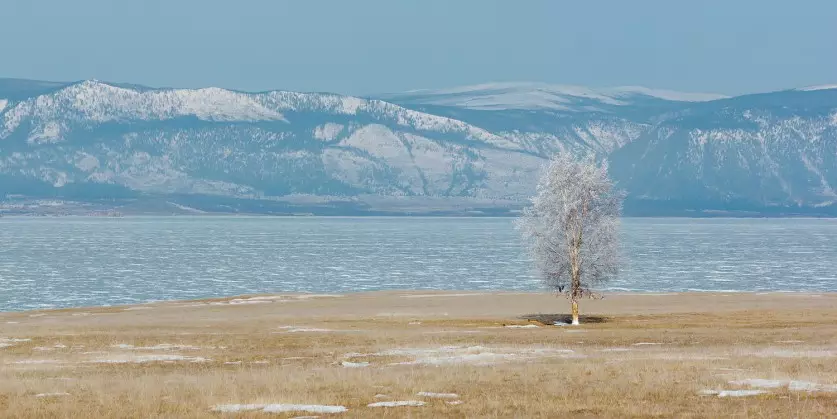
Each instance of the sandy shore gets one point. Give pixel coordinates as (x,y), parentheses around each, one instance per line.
(427,354)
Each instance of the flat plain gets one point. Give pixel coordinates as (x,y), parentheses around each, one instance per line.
(426,354)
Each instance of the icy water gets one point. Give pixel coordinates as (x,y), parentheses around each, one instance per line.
(64,262)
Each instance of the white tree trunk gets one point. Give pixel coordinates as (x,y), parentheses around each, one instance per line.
(575,313)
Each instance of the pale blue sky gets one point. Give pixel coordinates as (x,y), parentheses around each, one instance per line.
(372,46)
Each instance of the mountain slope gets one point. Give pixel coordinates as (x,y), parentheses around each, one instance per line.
(220,150)
(777,149)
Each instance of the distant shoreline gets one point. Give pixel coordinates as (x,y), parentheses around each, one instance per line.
(374,206)
(446,295)
(399,215)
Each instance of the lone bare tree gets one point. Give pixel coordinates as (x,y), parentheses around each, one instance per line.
(572,226)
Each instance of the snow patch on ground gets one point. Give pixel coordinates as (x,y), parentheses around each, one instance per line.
(348,364)
(310,296)
(385,314)
(520,326)
(278,408)
(401,403)
(455,402)
(311,408)
(36,361)
(8,342)
(646,343)
(784,353)
(473,355)
(295,329)
(732,393)
(141,359)
(687,357)
(485,358)
(264,299)
(159,347)
(52,394)
(437,395)
(792,385)
(232,408)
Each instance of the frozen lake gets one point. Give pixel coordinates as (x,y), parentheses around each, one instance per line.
(65,262)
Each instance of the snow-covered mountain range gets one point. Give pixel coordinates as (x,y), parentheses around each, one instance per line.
(476,148)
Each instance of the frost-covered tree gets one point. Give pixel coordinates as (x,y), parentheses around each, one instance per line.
(572,227)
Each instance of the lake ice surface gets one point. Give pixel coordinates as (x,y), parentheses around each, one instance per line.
(66,262)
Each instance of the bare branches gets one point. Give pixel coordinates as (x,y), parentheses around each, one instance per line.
(571,226)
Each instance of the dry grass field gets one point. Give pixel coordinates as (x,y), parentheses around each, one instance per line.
(666,355)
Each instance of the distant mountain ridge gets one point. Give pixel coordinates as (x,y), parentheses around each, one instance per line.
(542,96)
(470,150)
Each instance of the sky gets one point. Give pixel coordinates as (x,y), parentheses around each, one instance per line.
(364,47)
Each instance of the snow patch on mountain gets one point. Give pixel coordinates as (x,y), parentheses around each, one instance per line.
(93,101)
(3,103)
(102,102)
(437,164)
(499,96)
(666,94)
(539,96)
(49,132)
(820,87)
(509,175)
(142,171)
(328,131)
(86,162)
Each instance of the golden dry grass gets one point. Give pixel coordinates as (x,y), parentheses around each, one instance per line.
(700,342)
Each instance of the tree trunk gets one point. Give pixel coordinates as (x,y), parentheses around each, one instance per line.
(575,312)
